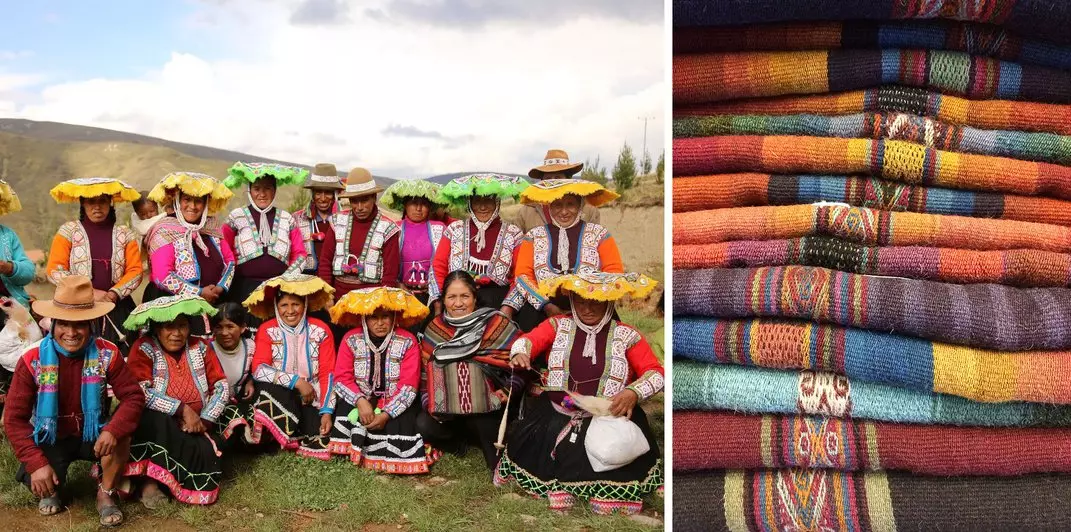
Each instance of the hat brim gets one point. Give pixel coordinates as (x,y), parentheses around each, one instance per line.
(312,185)
(49,309)
(539,171)
(369,192)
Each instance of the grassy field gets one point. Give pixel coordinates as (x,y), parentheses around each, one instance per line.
(285,492)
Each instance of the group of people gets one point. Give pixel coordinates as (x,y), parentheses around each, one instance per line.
(331,331)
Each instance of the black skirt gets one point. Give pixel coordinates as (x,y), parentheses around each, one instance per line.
(279,411)
(397,448)
(187,465)
(559,470)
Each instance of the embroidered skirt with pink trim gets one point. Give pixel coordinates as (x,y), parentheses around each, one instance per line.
(545,455)
(278,411)
(186,465)
(396,449)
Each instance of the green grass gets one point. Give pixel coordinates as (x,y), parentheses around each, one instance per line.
(286,492)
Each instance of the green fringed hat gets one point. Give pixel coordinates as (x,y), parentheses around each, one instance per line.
(395,195)
(166,309)
(247,173)
(458,191)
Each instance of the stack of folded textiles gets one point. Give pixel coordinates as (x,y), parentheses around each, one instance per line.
(872,264)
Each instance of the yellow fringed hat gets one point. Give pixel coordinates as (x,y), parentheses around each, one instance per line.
(72,190)
(261,303)
(9,200)
(600,286)
(192,184)
(549,190)
(364,302)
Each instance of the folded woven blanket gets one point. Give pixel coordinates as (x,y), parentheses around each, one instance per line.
(983,114)
(1044,147)
(980,315)
(723,440)
(745,190)
(978,39)
(1043,19)
(755,390)
(866,226)
(725,76)
(822,500)
(1029,268)
(879,357)
(895,160)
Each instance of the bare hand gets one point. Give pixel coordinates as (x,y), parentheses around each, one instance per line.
(247,391)
(436,308)
(106,443)
(43,482)
(623,403)
(211,293)
(508,311)
(550,309)
(521,360)
(367,414)
(307,392)
(191,422)
(378,422)
(325,424)
(112,296)
(100,295)
(7,267)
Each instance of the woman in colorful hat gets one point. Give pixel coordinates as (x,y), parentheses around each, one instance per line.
(95,246)
(566,244)
(378,374)
(483,245)
(556,165)
(324,184)
(293,363)
(176,445)
(466,378)
(419,235)
(187,252)
(588,353)
(361,251)
(57,410)
(266,239)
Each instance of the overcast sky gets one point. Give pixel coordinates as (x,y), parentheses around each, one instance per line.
(406,88)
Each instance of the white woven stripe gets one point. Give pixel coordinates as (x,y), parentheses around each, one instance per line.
(548,162)
(325,178)
(361,187)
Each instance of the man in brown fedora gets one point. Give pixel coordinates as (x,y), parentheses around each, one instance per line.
(362,249)
(58,408)
(556,165)
(324,183)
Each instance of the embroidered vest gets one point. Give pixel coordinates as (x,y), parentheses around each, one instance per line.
(247,238)
(279,355)
(168,231)
(586,261)
(499,268)
(195,358)
(368,267)
(304,223)
(80,260)
(616,369)
(362,363)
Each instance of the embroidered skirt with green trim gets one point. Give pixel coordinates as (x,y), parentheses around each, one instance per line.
(278,410)
(396,449)
(187,465)
(546,457)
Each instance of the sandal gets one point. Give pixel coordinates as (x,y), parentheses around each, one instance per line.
(110,514)
(153,500)
(51,505)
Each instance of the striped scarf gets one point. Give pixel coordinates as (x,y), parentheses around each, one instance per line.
(47,408)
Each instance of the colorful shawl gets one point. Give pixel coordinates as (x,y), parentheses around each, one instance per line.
(485,336)
(745,190)
(808,499)
(880,357)
(1044,19)
(976,39)
(755,390)
(1015,267)
(723,440)
(726,76)
(866,226)
(978,315)
(1044,147)
(895,160)
(46,412)
(983,114)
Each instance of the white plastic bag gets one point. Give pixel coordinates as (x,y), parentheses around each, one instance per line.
(613,442)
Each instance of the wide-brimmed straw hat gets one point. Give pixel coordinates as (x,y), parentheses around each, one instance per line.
(324,176)
(73,190)
(555,161)
(73,301)
(360,183)
(9,200)
(192,184)
(318,294)
(547,191)
(600,286)
(365,301)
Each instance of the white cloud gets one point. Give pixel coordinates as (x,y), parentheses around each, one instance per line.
(402,100)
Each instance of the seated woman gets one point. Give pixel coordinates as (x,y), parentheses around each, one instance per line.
(378,372)
(293,362)
(234,350)
(587,353)
(465,353)
(176,444)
